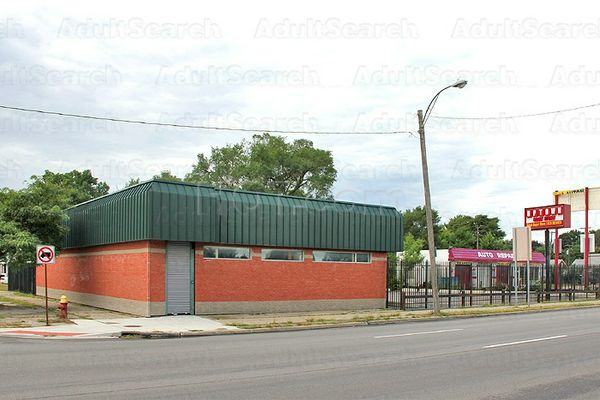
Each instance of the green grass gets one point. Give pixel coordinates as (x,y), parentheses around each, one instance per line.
(3,287)
(17,302)
(457,312)
(24,294)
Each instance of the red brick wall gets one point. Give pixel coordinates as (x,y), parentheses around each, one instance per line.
(257,280)
(133,271)
(118,270)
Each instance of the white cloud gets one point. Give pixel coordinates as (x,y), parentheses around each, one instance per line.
(312,65)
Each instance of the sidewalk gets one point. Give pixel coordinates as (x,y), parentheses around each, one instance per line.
(144,327)
(23,315)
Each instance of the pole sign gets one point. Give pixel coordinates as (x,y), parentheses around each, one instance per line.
(548,217)
(45,254)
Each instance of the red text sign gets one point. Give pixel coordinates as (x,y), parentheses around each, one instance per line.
(548,217)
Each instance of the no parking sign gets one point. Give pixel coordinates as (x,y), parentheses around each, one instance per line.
(45,254)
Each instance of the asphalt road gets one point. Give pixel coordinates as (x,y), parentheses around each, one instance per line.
(552,355)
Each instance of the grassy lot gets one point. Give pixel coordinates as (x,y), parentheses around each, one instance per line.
(17,302)
(21,310)
(258,321)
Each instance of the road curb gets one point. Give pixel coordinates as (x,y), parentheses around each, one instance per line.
(174,335)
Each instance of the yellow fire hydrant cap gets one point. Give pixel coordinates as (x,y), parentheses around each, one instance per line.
(63,299)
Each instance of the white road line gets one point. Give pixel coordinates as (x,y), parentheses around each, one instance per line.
(417,333)
(493,346)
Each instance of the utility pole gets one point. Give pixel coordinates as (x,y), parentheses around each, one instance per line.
(429,216)
(428,211)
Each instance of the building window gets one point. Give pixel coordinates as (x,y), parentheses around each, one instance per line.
(341,256)
(232,253)
(363,257)
(282,255)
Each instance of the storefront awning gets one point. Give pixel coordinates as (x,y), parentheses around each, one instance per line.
(488,256)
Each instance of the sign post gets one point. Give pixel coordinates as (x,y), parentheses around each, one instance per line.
(556,251)
(547,248)
(45,254)
(522,251)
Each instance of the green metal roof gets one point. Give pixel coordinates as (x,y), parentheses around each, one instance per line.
(163,210)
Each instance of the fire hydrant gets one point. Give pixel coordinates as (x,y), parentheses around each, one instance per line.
(63,307)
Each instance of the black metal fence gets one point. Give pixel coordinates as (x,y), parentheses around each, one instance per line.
(465,285)
(22,278)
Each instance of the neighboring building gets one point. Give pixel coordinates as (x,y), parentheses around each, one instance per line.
(476,268)
(172,248)
(593,260)
(3,272)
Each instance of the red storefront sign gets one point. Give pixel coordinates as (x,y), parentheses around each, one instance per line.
(548,217)
(488,256)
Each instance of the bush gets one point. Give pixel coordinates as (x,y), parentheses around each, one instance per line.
(394,283)
(536,286)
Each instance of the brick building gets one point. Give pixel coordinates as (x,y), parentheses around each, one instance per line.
(172,248)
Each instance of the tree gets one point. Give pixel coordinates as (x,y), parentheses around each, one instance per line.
(412,250)
(132,182)
(16,244)
(75,186)
(482,225)
(166,175)
(27,219)
(539,247)
(225,167)
(491,242)
(415,223)
(570,246)
(479,231)
(458,233)
(36,214)
(268,164)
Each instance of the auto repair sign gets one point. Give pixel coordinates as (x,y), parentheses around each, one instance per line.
(548,217)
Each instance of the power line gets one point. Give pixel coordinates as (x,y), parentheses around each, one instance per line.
(280,131)
(519,115)
(205,127)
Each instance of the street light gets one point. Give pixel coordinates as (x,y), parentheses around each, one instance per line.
(428,212)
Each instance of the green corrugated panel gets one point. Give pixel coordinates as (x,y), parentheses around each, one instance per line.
(163,210)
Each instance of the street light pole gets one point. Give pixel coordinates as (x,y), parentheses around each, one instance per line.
(428,216)
(422,118)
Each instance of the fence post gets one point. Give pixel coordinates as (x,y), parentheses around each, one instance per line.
(491,284)
(449,280)
(387,281)
(426,285)
(558,283)
(509,283)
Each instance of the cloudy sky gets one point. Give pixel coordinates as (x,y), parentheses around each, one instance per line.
(352,66)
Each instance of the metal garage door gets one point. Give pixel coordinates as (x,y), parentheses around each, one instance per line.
(179,278)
